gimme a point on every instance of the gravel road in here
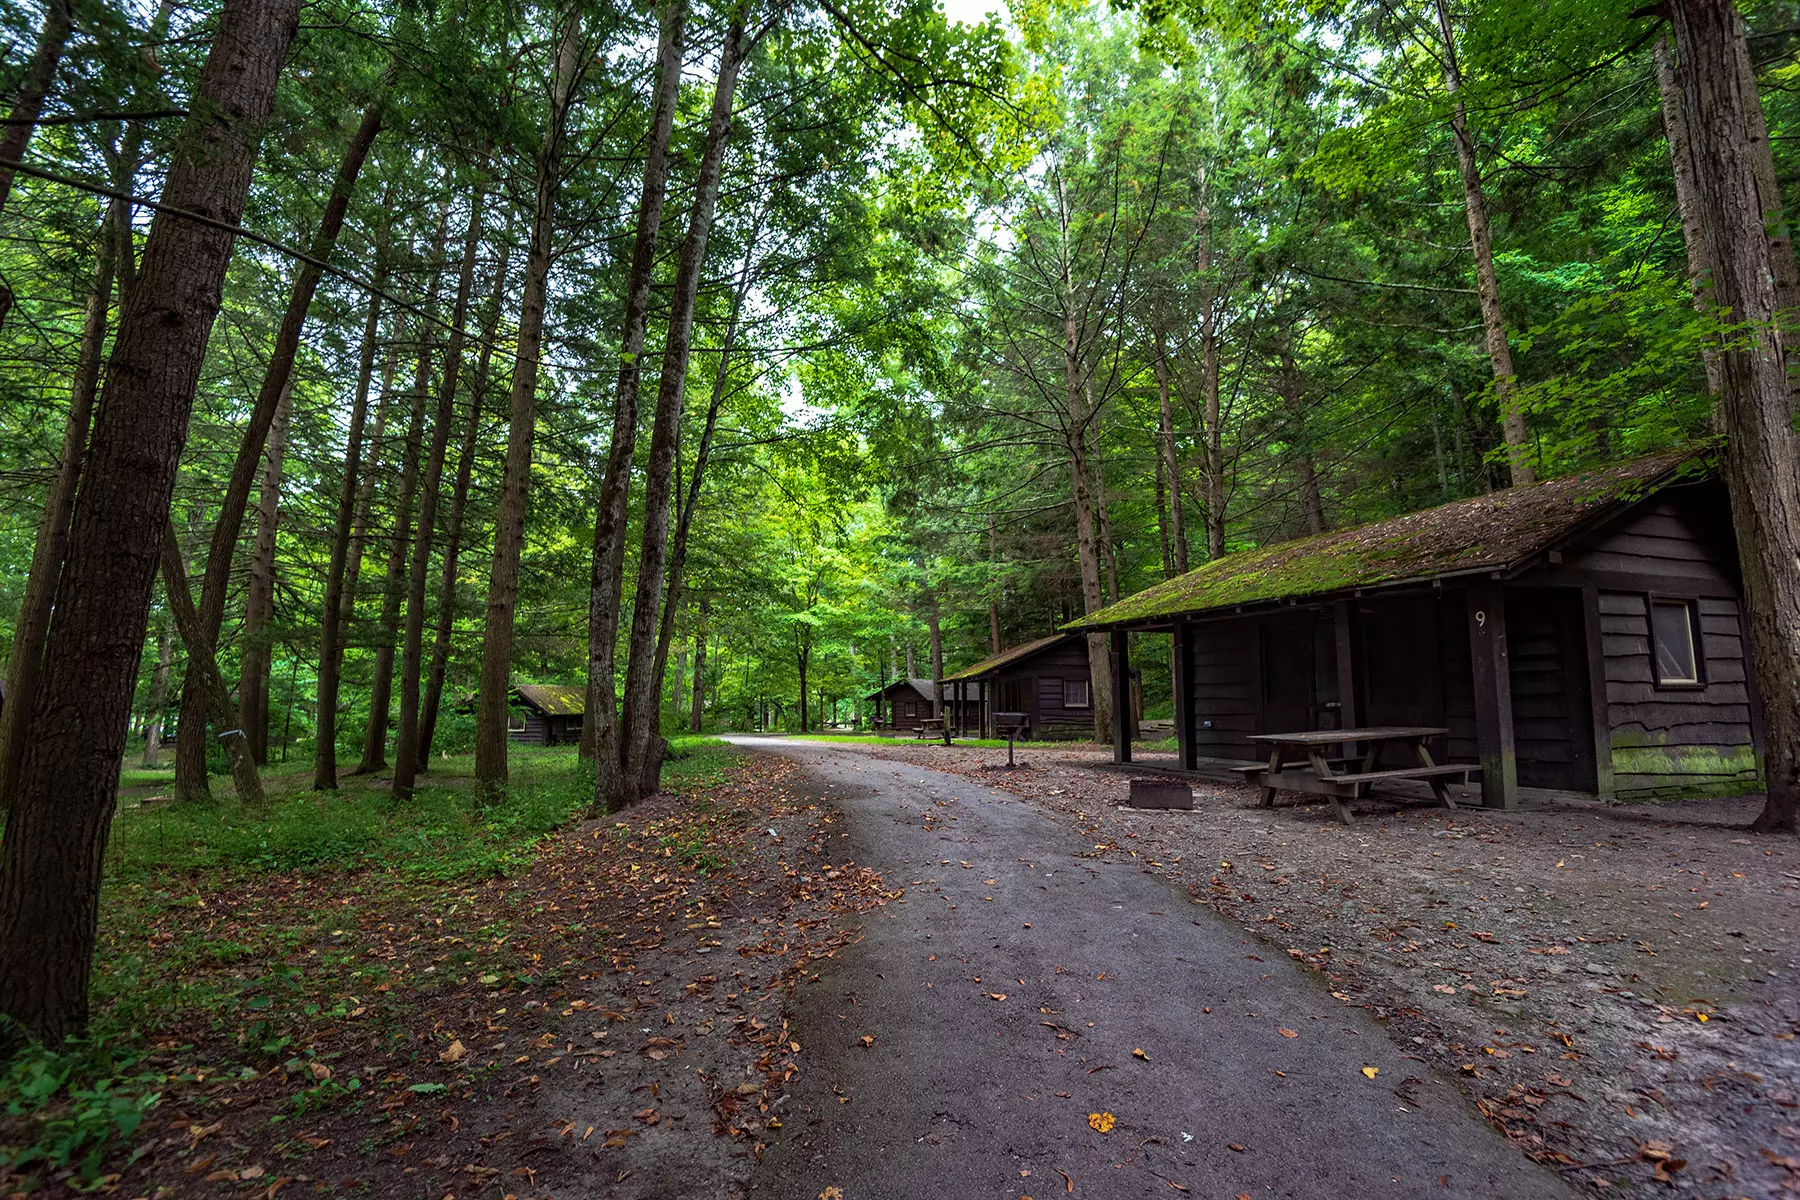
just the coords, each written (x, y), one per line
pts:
(1026, 990)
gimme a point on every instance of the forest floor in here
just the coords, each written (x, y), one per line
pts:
(1614, 985)
(338, 996)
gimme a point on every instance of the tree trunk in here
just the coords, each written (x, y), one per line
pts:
(1312, 504)
(641, 708)
(159, 692)
(31, 630)
(259, 604)
(937, 664)
(203, 668)
(1481, 241)
(53, 35)
(409, 748)
(509, 526)
(60, 816)
(1762, 453)
(696, 711)
(459, 499)
(381, 688)
(1687, 203)
(230, 521)
(334, 616)
(993, 601)
(1086, 544)
(602, 740)
(1214, 482)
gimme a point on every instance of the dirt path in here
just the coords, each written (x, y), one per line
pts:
(1036, 1017)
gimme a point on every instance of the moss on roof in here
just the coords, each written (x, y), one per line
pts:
(1489, 532)
(1005, 658)
(553, 699)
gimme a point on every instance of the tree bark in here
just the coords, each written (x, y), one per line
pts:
(642, 710)
(509, 526)
(159, 692)
(30, 631)
(1214, 482)
(60, 816)
(459, 499)
(1481, 241)
(203, 668)
(1762, 453)
(602, 737)
(1306, 470)
(649, 778)
(244, 469)
(1177, 555)
(1687, 202)
(381, 688)
(409, 748)
(1077, 417)
(696, 711)
(335, 614)
(259, 604)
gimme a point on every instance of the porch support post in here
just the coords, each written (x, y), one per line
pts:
(1493, 695)
(1348, 717)
(1181, 675)
(1121, 697)
(1601, 717)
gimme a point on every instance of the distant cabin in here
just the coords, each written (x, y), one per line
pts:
(546, 714)
(1583, 634)
(908, 703)
(1046, 682)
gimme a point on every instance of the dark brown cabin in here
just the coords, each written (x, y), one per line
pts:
(1047, 681)
(909, 703)
(546, 714)
(1584, 634)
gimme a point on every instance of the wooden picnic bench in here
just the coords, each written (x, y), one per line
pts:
(1298, 762)
(930, 727)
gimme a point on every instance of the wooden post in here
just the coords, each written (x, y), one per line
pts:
(1342, 617)
(1599, 715)
(1493, 695)
(1121, 695)
(1181, 675)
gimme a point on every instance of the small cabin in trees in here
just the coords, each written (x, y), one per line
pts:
(1585, 634)
(909, 703)
(1047, 682)
(546, 714)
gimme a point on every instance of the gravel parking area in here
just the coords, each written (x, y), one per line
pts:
(1614, 984)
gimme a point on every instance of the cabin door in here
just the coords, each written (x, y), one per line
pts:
(1553, 718)
(1287, 675)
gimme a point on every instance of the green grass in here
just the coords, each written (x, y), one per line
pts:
(306, 864)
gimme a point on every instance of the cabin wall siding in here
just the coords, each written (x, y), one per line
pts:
(1225, 686)
(1674, 739)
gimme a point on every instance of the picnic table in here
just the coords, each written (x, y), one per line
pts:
(1298, 762)
(930, 727)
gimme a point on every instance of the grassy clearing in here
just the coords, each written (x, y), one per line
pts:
(239, 931)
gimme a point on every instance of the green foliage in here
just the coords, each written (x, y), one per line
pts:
(83, 1101)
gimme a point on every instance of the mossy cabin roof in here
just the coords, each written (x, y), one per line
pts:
(1484, 533)
(1005, 658)
(553, 699)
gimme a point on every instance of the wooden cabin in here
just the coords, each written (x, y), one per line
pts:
(1583, 634)
(1045, 682)
(906, 704)
(546, 714)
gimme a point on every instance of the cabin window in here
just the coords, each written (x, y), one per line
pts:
(1075, 693)
(1675, 643)
(515, 722)
(912, 708)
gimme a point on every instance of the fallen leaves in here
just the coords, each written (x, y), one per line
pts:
(996, 995)
(1288, 1033)
(1139, 1053)
(1371, 1072)
(1102, 1122)
(455, 1052)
